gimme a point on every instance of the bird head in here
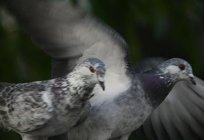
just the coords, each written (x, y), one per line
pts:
(178, 69)
(93, 69)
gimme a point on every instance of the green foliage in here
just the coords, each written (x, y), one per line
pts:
(9, 136)
(20, 60)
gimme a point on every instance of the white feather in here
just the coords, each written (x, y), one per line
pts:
(172, 69)
(115, 84)
(47, 98)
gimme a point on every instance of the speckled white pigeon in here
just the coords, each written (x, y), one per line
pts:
(40, 109)
(66, 33)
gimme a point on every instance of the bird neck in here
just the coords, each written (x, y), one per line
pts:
(80, 85)
(156, 87)
(72, 91)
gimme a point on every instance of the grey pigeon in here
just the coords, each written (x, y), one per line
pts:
(37, 110)
(118, 117)
(180, 116)
(66, 33)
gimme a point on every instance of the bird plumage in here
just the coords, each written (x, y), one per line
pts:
(118, 117)
(47, 108)
(180, 115)
(66, 33)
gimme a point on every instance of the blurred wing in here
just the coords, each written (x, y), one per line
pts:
(180, 116)
(65, 32)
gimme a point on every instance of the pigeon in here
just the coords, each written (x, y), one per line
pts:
(184, 99)
(40, 109)
(69, 35)
(117, 118)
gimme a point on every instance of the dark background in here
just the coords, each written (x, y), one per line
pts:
(152, 28)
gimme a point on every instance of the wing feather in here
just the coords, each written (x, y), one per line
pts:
(65, 32)
(181, 114)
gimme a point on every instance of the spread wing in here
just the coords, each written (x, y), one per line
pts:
(66, 33)
(181, 115)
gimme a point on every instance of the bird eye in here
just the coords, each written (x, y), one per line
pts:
(182, 67)
(91, 69)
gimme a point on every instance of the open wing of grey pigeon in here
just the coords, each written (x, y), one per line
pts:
(66, 33)
(180, 116)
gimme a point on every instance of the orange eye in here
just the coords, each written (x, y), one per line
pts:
(91, 69)
(182, 67)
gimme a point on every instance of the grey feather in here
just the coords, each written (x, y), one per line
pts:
(53, 31)
(183, 109)
(116, 118)
(37, 110)
(61, 30)
(180, 116)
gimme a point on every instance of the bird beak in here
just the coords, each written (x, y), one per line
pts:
(191, 76)
(102, 85)
(101, 81)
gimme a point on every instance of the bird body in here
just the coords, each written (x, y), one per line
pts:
(118, 117)
(47, 108)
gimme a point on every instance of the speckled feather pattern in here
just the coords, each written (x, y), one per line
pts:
(46, 108)
(27, 107)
